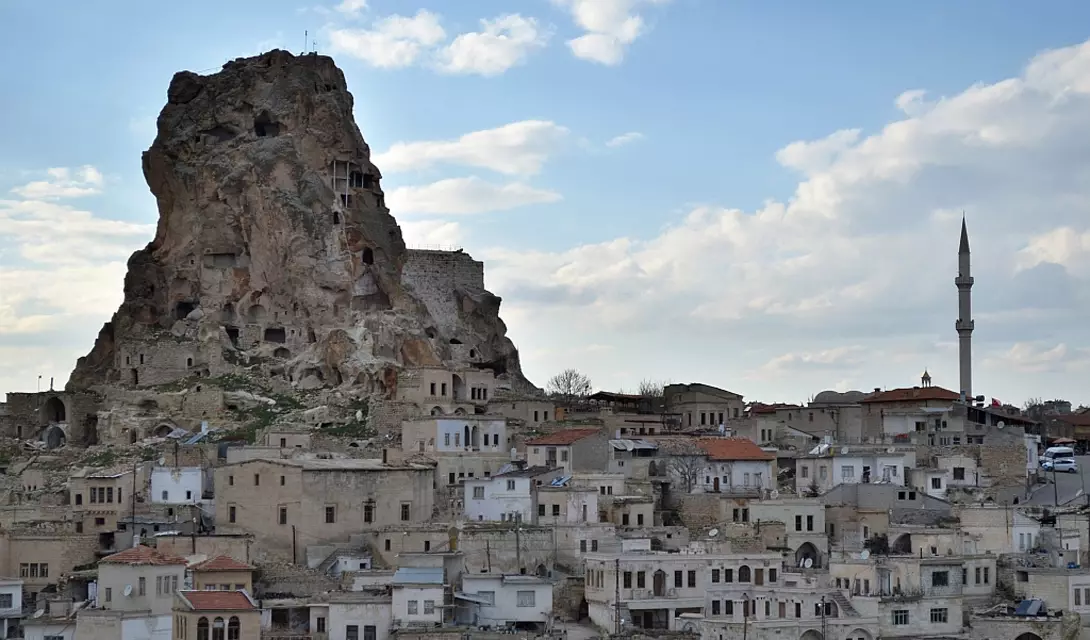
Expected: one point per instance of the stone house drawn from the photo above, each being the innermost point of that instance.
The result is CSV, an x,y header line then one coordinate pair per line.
x,y
566,504
177,485
223,573
804,527
656,587
508,497
363,615
636,459
530,410
318,500
828,465
501,600
287,438
998,528
455,434
944,474
735,466
139,579
418,596
900,411
440,391
216,614
11,606
39,555
702,405
571,450
101,497
854,513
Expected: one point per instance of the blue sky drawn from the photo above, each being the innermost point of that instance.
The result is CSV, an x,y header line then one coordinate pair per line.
x,y
735,238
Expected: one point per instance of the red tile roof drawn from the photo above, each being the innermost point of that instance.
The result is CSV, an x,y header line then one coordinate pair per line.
x,y
562,438
733,449
142,555
222,563
762,408
218,600
913,394
1075,419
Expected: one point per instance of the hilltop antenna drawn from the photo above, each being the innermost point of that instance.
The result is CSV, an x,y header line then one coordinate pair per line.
x,y
306,39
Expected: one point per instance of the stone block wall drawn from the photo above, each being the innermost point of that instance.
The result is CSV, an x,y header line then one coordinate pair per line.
x,y
435,275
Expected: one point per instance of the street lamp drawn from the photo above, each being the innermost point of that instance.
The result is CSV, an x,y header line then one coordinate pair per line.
x,y
745,615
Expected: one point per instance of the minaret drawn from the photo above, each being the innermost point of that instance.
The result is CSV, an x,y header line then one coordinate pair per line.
x,y
965,324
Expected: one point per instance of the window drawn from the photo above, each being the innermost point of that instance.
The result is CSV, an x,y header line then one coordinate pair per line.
x,y
540,508
715,607
564,456
556,510
369,632
715,575
987,578
940,578
743,574
100,522
330,515
936,483
679,579
79,498
429,607
806,472
809,523
257,479
628,580
166,495
410,607
109,595
510,485
771,575
798,523
283,481
406,509
692,579
142,586
352,632
847,472
109,494
231,480
478,494
231,513
583,546
593,545
938,615
526,599
959,473
728,607
283,515
728,575
900,616
431,392
624,519
641,580
443,389
368,511
387,544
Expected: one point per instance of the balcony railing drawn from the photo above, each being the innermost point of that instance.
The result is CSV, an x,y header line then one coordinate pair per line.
x,y
278,632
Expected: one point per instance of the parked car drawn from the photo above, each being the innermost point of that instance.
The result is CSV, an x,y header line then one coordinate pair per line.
x,y
1061,465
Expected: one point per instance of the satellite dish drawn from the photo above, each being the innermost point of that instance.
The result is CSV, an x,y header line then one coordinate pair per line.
x,y
128,590
864,554
713,533
774,494
1000,424
844,450
162,462
891,450
39,613
808,563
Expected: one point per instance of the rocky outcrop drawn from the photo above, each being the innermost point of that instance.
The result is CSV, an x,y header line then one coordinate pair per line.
x,y
275,254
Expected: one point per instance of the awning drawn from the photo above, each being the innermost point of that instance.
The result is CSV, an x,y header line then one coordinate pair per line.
x,y
473,597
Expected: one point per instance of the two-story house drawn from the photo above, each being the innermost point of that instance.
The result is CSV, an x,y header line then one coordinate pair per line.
x,y
135,595
571,450
737,466
223,573
702,404
212,615
510,496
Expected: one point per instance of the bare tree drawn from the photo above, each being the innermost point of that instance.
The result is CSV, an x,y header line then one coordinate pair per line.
x,y
687,469
569,385
652,388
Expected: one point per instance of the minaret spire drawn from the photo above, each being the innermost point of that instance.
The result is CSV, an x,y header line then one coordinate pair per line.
x,y
965,324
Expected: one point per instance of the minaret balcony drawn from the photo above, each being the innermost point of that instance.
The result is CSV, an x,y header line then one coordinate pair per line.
x,y
964,281
965,325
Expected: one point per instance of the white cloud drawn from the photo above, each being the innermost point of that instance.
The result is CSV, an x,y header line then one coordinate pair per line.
x,y
501,43
519,148
424,234
625,138
825,361
63,183
864,250
351,8
611,26
393,42
1037,358
461,196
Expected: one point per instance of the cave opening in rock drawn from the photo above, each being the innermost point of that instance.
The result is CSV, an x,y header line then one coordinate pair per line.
x,y
336,218
368,256
54,410
256,313
276,334
228,312
311,337
232,335
134,376
189,362
346,199
183,309
355,179
455,341
264,126
282,352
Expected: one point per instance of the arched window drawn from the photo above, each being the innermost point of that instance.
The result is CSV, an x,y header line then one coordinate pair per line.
x,y
202,629
218,629
743,574
234,630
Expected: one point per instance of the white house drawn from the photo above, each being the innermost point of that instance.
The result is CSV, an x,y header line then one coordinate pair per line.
x,y
503,600
11,606
468,433
417,596
359,615
177,485
507,496
49,628
735,465
827,466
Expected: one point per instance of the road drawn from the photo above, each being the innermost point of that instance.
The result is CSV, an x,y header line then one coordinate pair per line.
x,y
1068,487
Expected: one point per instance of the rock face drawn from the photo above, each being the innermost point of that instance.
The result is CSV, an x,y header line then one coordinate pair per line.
x,y
275,254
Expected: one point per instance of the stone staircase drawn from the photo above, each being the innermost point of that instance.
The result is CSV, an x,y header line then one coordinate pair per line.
x,y
845,605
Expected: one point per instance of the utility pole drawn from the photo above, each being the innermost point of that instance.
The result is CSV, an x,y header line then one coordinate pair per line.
x,y
132,517
617,596
488,554
518,542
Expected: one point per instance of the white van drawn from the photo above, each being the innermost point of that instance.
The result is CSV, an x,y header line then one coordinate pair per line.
x,y
1058,453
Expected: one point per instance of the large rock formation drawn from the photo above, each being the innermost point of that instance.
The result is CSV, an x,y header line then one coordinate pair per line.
x,y
275,254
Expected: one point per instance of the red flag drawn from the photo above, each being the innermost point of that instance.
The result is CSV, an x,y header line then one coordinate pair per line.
x,y
996,403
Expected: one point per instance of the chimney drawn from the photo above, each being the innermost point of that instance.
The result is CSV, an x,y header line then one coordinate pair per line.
x,y
878,389
384,456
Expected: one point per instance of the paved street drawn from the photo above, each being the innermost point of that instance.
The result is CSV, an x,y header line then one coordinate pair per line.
x,y
1068,487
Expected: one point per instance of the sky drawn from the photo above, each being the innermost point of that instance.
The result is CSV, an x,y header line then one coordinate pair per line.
x,y
762,196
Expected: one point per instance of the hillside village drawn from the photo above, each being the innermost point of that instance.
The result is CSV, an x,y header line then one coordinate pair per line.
x,y
300,429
